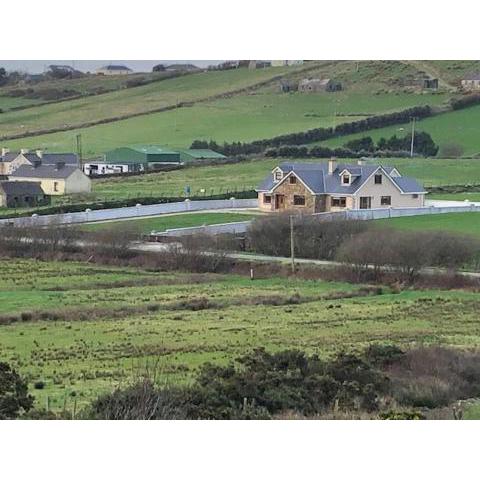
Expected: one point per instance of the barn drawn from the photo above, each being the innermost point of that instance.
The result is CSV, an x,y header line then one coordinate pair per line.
x,y
142,157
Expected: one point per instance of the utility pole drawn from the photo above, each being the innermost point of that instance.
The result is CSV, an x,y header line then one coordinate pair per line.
x,y
413,136
79,148
292,245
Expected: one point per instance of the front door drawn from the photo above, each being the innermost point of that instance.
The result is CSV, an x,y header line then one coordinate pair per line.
x,y
365,202
279,202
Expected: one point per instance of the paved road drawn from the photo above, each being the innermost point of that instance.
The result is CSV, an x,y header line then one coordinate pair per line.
x,y
161,247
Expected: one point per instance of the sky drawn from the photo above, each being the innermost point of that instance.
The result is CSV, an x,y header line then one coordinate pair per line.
x,y
39,66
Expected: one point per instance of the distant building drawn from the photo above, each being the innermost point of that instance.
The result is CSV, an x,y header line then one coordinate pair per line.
x,y
10,161
312,85
198,154
114,70
285,63
142,157
181,67
471,81
430,83
22,194
59,179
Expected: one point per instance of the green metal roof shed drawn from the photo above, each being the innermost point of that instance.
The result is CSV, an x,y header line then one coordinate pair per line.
x,y
199,154
142,154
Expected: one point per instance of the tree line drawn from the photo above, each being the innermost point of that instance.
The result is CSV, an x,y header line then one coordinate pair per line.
x,y
317,134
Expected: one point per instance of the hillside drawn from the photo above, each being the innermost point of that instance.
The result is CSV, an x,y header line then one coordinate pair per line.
x,y
257,109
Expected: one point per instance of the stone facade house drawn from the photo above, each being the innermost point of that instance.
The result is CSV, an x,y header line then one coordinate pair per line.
x,y
319,187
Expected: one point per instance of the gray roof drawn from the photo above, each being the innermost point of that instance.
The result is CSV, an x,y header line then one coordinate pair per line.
x,y
316,177
21,188
53,158
9,157
472,76
43,171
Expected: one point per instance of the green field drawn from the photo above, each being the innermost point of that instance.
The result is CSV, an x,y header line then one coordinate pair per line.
x,y
102,324
458,127
467,223
131,100
6,103
240,118
470,196
164,222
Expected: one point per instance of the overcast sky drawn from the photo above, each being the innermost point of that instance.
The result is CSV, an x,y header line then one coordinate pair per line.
x,y
39,66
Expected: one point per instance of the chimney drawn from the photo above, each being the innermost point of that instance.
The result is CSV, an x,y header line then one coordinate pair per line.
x,y
23,150
5,151
360,162
60,165
332,165
39,153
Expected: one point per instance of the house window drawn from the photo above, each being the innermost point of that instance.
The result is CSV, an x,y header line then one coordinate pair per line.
x,y
298,200
339,202
346,179
378,179
267,199
415,195
55,186
386,201
278,175
293,180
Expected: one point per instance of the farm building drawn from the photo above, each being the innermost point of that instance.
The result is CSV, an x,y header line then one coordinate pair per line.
x,y
100,167
315,188
430,83
142,157
70,159
59,179
285,63
114,70
471,82
312,85
22,194
196,154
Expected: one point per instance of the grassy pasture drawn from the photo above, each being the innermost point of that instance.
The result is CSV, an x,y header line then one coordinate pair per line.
x,y
163,222
459,127
467,223
240,118
88,355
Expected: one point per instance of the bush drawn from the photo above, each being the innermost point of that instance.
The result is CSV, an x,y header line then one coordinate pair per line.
x,y
261,386
39,385
314,237
14,397
435,376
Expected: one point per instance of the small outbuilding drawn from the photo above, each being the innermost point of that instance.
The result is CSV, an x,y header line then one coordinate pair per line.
x,y
199,154
22,194
313,85
471,81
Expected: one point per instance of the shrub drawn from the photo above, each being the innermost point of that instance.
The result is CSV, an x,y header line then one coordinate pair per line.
x,y
435,376
39,385
14,396
451,150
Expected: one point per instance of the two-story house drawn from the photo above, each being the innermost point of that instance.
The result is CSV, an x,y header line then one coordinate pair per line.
x,y
332,186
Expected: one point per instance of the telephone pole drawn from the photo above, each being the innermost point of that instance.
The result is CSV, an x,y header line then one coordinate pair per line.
x,y
292,245
79,149
413,136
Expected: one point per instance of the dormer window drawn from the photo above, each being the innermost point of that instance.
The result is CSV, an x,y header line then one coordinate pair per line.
x,y
346,179
278,175
293,180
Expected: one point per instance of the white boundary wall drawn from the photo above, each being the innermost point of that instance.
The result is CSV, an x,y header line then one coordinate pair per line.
x,y
373,214
130,212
